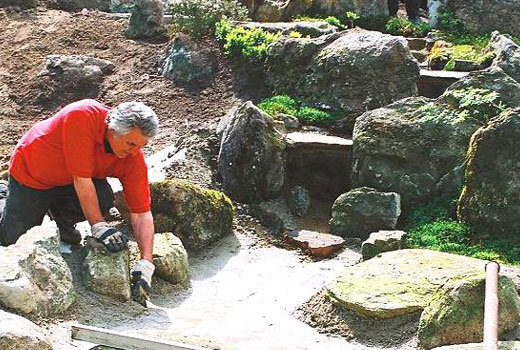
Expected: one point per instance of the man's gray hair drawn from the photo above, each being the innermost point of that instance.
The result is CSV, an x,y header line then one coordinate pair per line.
x,y
128,115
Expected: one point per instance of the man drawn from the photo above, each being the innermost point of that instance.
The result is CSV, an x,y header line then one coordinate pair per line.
x,y
60,167
412,9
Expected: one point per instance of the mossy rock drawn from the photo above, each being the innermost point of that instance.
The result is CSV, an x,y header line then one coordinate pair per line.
x,y
196,215
455,314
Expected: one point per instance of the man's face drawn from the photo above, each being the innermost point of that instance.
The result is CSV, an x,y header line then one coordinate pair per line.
x,y
128,144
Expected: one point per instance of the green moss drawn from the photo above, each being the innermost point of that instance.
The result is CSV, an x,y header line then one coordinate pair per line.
x,y
407,28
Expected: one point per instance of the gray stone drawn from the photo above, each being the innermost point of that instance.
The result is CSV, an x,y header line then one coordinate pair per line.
x,y
325,71
275,215
77,71
312,29
251,158
456,312
147,21
74,5
392,144
18,333
399,282
185,60
507,55
280,10
170,258
290,122
361,211
34,278
502,345
361,7
380,242
105,272
299,200
21,3
486,16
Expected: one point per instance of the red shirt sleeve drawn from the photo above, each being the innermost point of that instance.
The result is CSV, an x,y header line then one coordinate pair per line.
x,y
135,185
79,138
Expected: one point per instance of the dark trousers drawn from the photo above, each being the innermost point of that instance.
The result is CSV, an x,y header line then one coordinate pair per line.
x,y
22,208
412,8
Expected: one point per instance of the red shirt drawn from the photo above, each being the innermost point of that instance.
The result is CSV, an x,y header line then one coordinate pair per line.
x,y
71,143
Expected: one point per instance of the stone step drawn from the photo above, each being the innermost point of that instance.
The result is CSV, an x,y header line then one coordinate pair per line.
x,y
315,243
419,55
307,139
416,43
432,83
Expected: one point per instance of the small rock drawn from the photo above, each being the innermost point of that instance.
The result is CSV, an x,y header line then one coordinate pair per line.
x,y
18,333
316,243
380,242
275,215
299,201
291,122
147,21
107,273
170,258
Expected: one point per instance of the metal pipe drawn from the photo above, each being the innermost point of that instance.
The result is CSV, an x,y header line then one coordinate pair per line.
x,y
491,307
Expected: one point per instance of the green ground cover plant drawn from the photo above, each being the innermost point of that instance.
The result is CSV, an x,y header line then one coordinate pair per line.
x,y
278,104
407,28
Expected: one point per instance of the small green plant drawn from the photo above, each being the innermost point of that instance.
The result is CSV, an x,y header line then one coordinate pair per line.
x,y
279,104
295,34
351,16
439,55
479,104
313,115
334,22
198,17
405,27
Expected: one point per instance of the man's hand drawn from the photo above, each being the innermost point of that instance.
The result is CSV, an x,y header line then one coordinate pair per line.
x,y
111,238
142,281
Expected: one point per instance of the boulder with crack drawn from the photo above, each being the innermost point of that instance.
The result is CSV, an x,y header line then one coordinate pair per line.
x,y
456,313
105,272
382,241
170,258
361,211
147,21
251,159
18,333
34,278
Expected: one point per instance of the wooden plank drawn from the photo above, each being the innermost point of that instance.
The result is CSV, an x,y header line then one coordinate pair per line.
x,y
124,341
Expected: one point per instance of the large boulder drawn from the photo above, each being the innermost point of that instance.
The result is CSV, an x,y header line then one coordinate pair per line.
x,y
362,211
34,278
170,258
361,7
196,215
350,72
185,60
147,21
487,15
507,54
490,200
456,312
417,146
18,333
280,10
251,158
105,272
399,282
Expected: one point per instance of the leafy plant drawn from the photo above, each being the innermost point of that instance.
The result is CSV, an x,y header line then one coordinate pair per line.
x,y
198,17
295,34
279,104
405,27
439,55
334,21
479,104
351,16
313,115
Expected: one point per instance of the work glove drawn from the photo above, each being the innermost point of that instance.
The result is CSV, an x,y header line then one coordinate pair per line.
x,y
111,238
142,281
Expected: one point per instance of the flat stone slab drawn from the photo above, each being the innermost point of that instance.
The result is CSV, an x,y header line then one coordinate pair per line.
x,y
307,138
316,243
502,345
398,282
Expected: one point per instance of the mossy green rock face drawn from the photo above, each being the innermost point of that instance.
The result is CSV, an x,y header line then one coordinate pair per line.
x,y
399,282
362,211
170,258
490,200
34,278
251,158
196,215
417,146
456,313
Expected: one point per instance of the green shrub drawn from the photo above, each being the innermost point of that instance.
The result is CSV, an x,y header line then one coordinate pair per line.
x,y
198,17
279,104
405,27
334,22
313,115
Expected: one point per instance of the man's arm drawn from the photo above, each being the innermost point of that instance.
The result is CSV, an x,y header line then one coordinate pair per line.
x,y
142,224
88,199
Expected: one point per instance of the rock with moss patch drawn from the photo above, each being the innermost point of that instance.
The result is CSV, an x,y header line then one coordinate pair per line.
x,y
147,21
196,215
410,146
251,158
456,313
170,258
361,211
399,282
382,241
18,333
325,71
34,278
361,7
490,201
507,54
105,272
